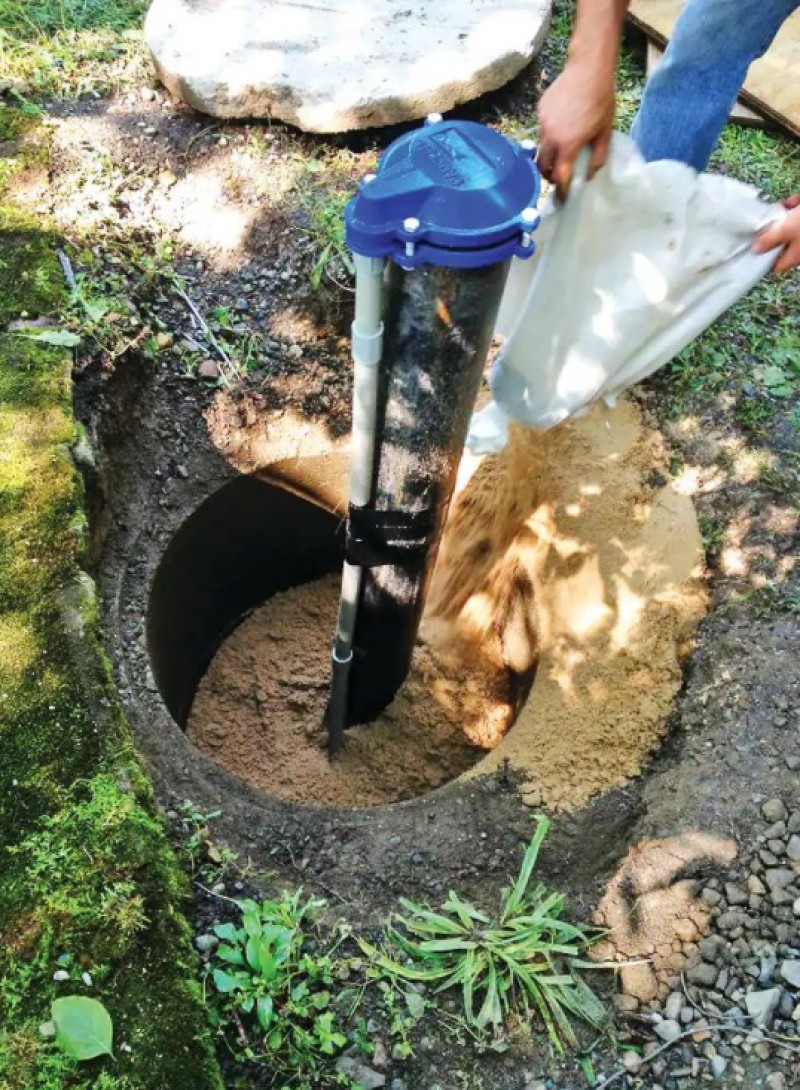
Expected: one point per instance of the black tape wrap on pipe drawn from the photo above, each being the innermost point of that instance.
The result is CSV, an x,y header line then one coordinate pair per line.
x,y
437,331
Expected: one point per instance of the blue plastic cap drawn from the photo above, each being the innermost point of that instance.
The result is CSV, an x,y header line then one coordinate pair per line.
x,y
454,193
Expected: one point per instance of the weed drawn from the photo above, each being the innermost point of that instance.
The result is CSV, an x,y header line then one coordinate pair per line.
x,y
771,599
326,229
524,958
276,982
712,532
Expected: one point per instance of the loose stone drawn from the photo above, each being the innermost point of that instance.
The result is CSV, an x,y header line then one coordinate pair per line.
x,y
761,1006
774,810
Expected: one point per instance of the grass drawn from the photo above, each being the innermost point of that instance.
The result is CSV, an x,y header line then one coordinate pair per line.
x,y
71,48
522,960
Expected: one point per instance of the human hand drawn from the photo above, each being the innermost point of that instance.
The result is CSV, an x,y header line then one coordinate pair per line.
x,y
785,234
578,109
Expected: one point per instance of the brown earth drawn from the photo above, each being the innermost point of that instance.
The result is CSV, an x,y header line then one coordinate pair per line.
x,y
561,546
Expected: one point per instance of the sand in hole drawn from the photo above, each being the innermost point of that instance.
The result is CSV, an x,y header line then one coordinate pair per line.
x,y
569,548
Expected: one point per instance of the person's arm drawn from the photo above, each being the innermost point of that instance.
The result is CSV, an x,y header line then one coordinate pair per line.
x,y
786,234
578,109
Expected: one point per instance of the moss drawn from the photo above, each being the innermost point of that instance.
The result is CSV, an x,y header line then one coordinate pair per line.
x,y
86,874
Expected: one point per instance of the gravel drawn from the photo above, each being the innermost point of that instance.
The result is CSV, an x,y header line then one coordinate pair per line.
x,y
744,973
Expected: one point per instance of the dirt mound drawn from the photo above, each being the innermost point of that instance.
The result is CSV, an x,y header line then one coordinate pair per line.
x,y
569,549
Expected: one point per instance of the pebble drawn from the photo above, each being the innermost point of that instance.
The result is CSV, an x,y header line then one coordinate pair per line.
x,y
793,848
775,1081
363,1076
668,1029
397,1084
703,974
734,894
206,943
631,1061
774,810
790,971
778,878
718,1066
761,1006
673,1005
208,369
60,975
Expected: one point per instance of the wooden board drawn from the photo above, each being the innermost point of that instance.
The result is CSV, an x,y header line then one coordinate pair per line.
x,y
772,86
740,113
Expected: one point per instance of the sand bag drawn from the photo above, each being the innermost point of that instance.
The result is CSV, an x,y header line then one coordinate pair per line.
x,y
636,264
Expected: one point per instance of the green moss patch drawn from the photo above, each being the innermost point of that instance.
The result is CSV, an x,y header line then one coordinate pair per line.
x,y
89,889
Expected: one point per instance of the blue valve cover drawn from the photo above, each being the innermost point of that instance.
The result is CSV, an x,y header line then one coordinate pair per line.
x,y
467,186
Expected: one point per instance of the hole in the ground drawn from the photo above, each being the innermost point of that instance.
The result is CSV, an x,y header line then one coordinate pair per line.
x,y
589,570
241,615
247,542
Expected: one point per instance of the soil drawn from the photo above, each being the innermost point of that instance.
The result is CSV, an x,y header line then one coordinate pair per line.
x,y
259,712
723,739
570,549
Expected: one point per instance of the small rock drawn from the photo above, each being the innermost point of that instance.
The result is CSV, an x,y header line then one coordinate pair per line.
x,y
702,1032
380,1057
672,1007
631,1061
711,947
779,878
295,351
182,472
777,830
397,1084
729,921
761,1006
734,894
767,968
626,1004
164,340
60,975
774,810
755,885
703,974
668,1029
790,971
711,896
718,1066
793,824
208,369
775,1081
793,848
686,1015
206,943
364,1076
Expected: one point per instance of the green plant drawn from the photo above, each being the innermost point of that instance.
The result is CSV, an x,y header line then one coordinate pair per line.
x,y
275,978
81,1026
523,959
325,211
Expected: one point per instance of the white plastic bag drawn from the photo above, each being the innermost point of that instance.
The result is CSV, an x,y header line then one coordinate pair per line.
x,y
637,263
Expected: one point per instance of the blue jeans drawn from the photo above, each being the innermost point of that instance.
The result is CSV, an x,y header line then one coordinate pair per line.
x,y
688,98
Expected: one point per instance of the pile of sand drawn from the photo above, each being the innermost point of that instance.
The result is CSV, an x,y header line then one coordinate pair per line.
x,y
569,548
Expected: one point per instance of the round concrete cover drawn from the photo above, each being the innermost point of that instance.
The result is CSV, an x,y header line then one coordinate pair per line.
x,y
335,65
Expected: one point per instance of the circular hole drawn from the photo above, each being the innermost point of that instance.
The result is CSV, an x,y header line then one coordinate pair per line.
x,y
240,621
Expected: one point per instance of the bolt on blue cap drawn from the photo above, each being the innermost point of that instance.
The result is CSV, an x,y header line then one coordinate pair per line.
x,y
454,194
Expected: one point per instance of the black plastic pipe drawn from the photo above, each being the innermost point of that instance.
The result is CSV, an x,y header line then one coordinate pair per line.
x,y
438,325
